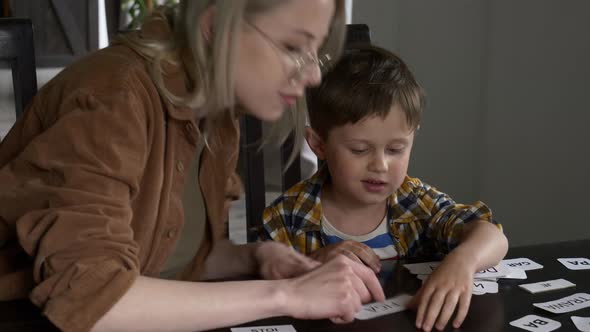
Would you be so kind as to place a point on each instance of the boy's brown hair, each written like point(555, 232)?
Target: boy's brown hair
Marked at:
point(366, 81)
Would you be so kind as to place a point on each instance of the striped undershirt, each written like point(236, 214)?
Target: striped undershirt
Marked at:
point(379, 239)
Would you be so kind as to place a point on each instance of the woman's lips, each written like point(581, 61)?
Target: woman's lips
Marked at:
point(289, 100)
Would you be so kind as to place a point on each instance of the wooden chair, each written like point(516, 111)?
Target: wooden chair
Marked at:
point(252, 158)
point(17, 50)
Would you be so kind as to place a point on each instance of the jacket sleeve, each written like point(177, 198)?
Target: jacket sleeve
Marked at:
point(447, 218)
point(82, 173)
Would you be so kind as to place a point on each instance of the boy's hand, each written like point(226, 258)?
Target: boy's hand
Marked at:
point(448, 287)
point(356, 251)
point(278, 261)
point(335, 290)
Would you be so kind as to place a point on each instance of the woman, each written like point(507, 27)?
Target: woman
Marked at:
point(93, 174)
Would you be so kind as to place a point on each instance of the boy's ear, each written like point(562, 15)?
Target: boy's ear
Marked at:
point(206, 23)
point(315, 142)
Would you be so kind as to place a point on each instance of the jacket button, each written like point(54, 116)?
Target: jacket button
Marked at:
point(171, 233)
point(180, 166)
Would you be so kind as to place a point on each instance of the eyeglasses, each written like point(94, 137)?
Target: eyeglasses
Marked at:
point(300, 61)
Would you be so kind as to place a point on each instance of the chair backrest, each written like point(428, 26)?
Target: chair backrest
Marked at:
point(252, 157)
point(357, 34)
point(16, 49)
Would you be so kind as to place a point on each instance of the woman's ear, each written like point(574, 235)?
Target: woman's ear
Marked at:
point(315, 142)
point(206, 23)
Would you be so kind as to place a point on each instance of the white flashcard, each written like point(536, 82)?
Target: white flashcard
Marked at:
point(515, 273)
point(422, 276)
point(536, 323)
point(485, 279)
point(575, 263)
point(582, 323)
point(485, 286)
point(521, 263)
point(422, 268)
point(273, 328)
point(389, 306)
point(474, 292)
point(566, 304)
point(492, 272)
point(549, 285)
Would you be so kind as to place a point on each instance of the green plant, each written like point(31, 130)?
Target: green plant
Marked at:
point(137, 9)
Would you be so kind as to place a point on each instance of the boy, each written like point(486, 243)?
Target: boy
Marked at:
point(362, 204)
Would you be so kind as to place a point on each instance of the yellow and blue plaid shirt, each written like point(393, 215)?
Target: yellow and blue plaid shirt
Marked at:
point(422, 220)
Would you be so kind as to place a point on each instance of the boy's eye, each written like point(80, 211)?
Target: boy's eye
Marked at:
point(394, 151)
point(358, 151)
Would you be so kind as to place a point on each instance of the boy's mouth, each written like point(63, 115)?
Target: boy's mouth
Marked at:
point(374, 181)
point(374, 186)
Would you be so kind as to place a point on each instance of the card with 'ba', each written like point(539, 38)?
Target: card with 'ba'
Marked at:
point(536, 323)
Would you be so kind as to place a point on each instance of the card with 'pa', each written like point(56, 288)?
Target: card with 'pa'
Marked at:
point(575, 263)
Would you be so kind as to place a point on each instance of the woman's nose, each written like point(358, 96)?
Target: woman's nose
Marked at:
point(312, 75)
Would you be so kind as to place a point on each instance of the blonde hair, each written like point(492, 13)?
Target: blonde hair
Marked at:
point(210, 65)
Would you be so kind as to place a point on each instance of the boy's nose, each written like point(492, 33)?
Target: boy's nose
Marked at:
point(379, 163)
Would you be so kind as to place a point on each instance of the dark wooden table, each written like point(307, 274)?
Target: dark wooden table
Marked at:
point(489, 312)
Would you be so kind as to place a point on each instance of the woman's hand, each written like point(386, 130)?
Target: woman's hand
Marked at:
point(336, 289)
point(278, 261)
point(356, 251)
point(448, 287)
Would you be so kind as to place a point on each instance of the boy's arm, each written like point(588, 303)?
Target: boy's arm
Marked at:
point(478, 242)
point(448, 219)
point(482, 244)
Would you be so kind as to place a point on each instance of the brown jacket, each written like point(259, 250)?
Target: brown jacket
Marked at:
point(91, 181)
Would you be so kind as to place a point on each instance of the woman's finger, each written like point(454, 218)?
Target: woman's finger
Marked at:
point(370, 282)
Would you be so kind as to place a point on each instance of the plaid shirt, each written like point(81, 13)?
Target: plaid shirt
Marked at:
point(422, 220)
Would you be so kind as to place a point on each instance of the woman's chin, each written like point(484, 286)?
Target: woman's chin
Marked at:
point(268, 115)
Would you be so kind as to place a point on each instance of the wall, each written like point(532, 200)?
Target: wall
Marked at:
point(505, 123)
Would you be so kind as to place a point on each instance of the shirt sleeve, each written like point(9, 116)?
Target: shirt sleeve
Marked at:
point(77, 179)
point(274, 226)
point(447, 218)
